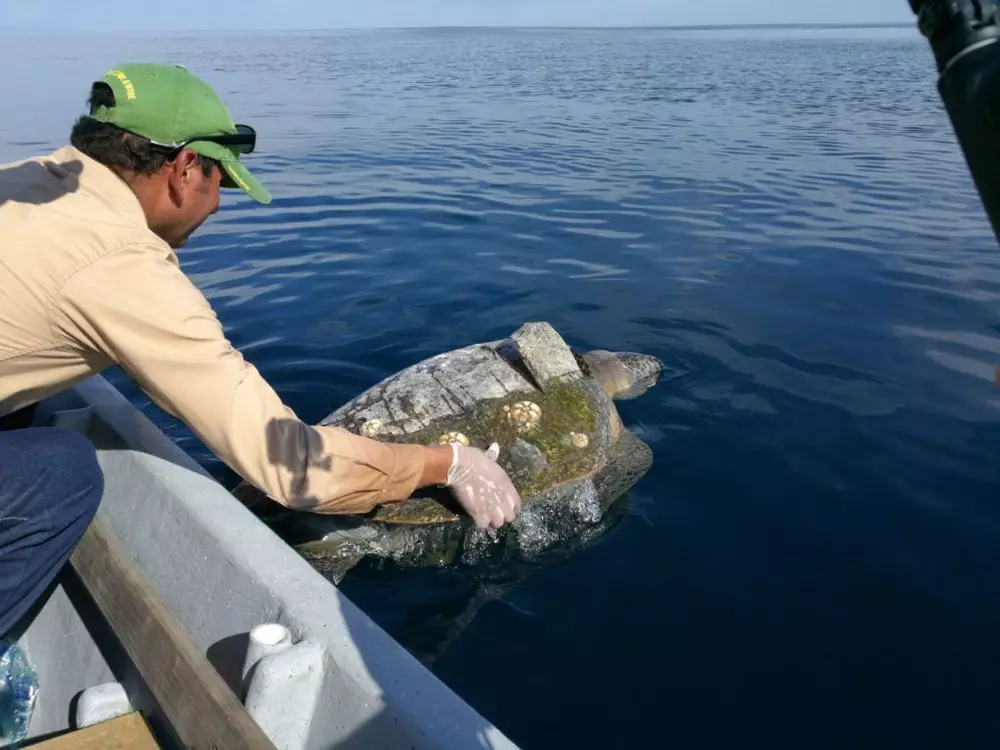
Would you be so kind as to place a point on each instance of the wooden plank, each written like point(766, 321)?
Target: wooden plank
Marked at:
point(128, 732)
point(199, 706)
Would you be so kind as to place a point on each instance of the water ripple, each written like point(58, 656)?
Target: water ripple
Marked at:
point(783, 214)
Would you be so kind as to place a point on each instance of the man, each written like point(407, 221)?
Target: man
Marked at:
point(89, 278)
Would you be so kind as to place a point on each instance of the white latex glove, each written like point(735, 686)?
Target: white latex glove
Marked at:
point(482, 486)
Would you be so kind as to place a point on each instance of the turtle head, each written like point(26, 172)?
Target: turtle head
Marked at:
point(623, 375)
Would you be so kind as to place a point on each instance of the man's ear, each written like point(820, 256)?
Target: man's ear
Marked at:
point(181, 174)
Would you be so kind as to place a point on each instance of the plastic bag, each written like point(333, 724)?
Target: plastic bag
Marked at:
point(18, 688)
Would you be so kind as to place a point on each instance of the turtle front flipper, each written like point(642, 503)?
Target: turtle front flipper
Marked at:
point(629, 461)
point(333, 557)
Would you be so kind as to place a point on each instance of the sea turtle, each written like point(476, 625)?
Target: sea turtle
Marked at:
point(550, 408)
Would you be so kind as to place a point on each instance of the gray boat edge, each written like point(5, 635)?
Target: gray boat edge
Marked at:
point(344, 683)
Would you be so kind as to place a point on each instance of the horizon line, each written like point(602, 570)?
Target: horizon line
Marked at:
point(679, 27)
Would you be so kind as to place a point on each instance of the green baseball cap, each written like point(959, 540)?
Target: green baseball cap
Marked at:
point(174, 108)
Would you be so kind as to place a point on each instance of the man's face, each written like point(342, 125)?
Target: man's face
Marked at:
point(190, 197)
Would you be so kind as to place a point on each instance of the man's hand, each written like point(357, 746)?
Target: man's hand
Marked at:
point(482, 486)
point(478, 482)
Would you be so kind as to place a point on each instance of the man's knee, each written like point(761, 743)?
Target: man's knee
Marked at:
point(50, 488)
point(79, 469)
point(75, 451)
point(54, 467)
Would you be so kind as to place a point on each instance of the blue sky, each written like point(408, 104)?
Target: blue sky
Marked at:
point(302, 14)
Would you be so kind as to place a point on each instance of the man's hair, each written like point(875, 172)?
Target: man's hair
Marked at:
point(121, 151)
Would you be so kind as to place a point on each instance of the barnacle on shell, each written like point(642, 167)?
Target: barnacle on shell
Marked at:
point(524, 414)
point(371, 428)
point(453, 437)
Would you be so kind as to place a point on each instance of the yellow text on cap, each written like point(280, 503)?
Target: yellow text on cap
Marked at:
point(129, 88)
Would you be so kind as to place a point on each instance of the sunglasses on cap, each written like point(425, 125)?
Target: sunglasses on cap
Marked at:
point(244, 139)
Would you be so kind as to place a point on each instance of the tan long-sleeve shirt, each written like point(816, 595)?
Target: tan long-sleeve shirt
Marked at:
point(85, 284)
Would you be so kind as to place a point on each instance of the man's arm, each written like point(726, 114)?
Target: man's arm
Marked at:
point(138, 308)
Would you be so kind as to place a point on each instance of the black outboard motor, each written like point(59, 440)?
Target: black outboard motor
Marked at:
point(964, 36)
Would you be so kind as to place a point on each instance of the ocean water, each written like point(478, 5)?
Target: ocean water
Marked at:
point(813, 560)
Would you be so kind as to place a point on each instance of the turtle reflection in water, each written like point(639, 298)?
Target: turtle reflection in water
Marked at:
point(551, 410)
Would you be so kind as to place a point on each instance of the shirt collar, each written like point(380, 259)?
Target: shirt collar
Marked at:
point(102, 181)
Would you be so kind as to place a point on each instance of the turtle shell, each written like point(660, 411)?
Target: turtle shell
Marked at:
point(553, 423)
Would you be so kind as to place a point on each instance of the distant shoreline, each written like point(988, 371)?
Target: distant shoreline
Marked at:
point(50, 30)
point(688, 27)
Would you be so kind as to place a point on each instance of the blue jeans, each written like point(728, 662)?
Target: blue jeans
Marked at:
point(50, 487)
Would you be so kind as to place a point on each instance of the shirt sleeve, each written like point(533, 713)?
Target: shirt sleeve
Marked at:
point(138, 308)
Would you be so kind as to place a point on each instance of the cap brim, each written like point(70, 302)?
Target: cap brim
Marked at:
point(238, 176)
point(235, 175)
